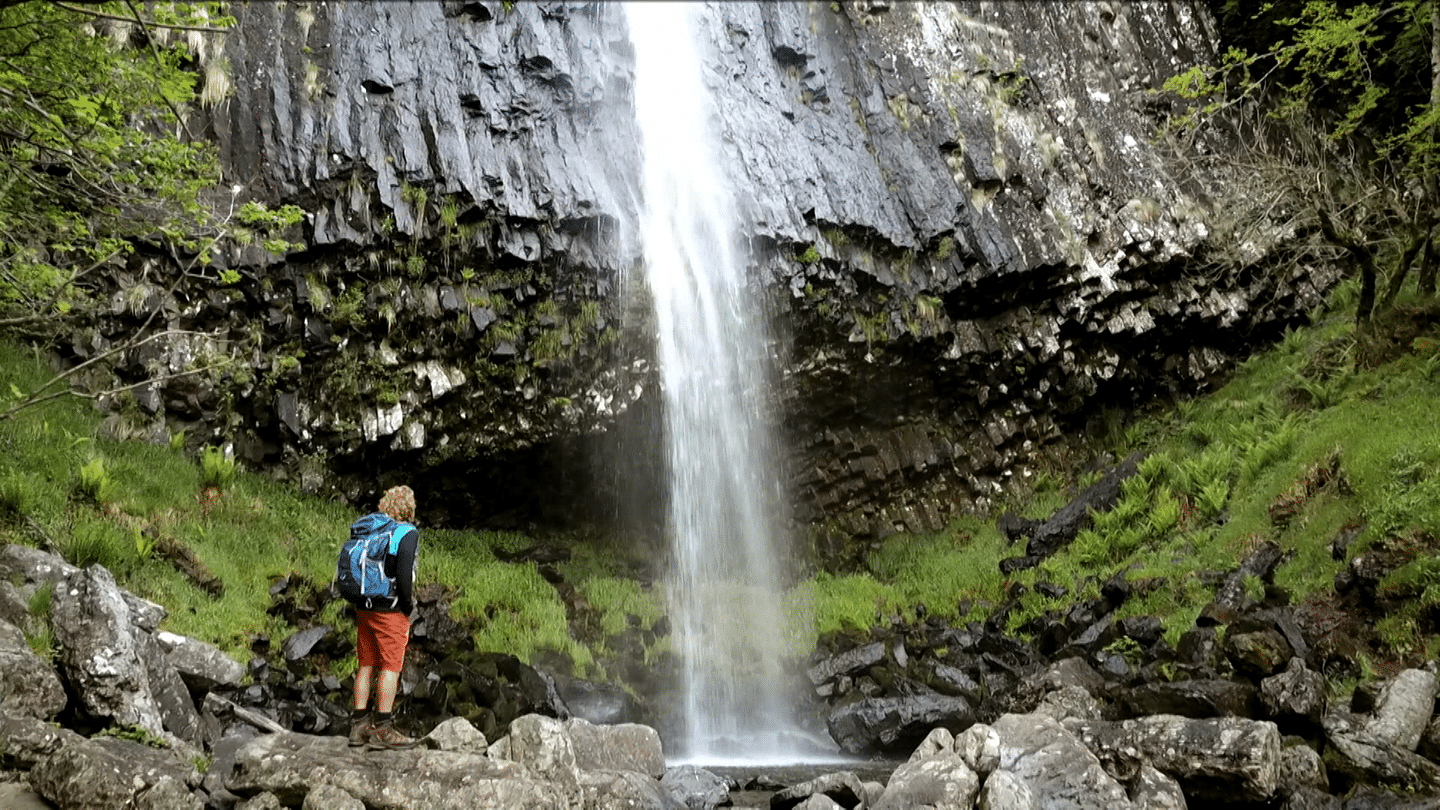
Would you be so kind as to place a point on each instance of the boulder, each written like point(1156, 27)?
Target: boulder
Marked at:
point(1156, 790)
point(1403, 709)
point(1296, 695)
point(1310, 798)
point(1041, 759)
point(1300, 767)
point(938, 780)
point(893, 724)
point(842, 789)
point(329, 797)
point(979, 746)
point(852, 662)
point(289, 766)
point(628, 789)
point(695, 787)
point(1356, 754)
point(110, 772)
point(543, 745)
point(29, 686)
point(34, 567)
point(621, 747)
point(1207, 697)
point(1070, 702)
point(201, 666)
point(1218, 759)
point(28, 740)
point(456, 734)
point(100, 653)
point(178, 714)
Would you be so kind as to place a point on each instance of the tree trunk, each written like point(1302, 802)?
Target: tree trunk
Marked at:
point(1420, 238)
point(1364, 259)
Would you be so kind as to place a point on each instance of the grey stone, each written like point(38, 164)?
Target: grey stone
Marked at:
point(1403, 709)
point(290, 765)
point(99, 650)
point(1054, 765)
point(29, 686)
point(108, 772)
point(695, 787)
point(1215, 759)
point(621, 747)
point(456, 734)
point(939, 781)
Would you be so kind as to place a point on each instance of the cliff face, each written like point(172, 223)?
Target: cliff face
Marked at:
point(970, 239)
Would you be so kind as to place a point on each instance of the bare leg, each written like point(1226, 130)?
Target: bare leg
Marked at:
point(362, 687)
point(385, 693)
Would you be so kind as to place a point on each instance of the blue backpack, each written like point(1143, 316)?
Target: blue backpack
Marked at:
point(360, 569)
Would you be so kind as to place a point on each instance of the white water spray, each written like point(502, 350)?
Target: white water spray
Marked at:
point(727, 606)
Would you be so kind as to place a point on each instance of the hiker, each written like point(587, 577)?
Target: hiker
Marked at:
point(382, 613)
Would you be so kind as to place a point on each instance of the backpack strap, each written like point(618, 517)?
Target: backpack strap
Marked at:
point(397, 534)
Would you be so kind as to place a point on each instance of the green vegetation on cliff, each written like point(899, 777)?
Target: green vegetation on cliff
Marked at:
point(1300, 448)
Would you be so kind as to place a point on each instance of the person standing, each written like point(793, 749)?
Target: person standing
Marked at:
point(382, 628)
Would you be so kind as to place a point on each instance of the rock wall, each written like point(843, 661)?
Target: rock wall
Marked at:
point(971, 241)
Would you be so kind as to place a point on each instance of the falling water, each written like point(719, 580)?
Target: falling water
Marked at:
point(727, 605)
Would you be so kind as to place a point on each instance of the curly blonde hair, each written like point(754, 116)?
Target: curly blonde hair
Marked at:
point(399, 503)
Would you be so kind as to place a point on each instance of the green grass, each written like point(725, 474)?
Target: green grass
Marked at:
point(1215, 465)
point(96, 500)
point(1214, 468)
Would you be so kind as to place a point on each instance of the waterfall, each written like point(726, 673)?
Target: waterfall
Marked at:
point(726, 599)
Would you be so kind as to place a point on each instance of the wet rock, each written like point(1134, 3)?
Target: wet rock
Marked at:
point(850, 663)
point(843, 789)
point(893, 724)
point(1193, 698)
point(695, 787)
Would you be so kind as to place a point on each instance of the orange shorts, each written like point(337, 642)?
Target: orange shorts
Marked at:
point(380, 638)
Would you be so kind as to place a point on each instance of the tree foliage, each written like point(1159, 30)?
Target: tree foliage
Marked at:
point(95, 156)
point(1365, 76)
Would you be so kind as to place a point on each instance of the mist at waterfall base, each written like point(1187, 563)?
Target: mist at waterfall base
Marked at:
point(731, 617)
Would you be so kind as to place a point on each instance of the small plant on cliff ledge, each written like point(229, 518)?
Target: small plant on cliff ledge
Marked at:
point(216, 471)
point(810, 256)
point(93, 482)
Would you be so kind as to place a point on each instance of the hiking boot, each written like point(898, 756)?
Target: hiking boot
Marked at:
point(360, 729)
point(384, 735)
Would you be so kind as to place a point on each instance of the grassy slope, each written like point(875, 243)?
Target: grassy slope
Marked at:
point(1215, 467)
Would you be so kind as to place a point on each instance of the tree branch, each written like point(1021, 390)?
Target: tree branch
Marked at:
point(103, 16)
